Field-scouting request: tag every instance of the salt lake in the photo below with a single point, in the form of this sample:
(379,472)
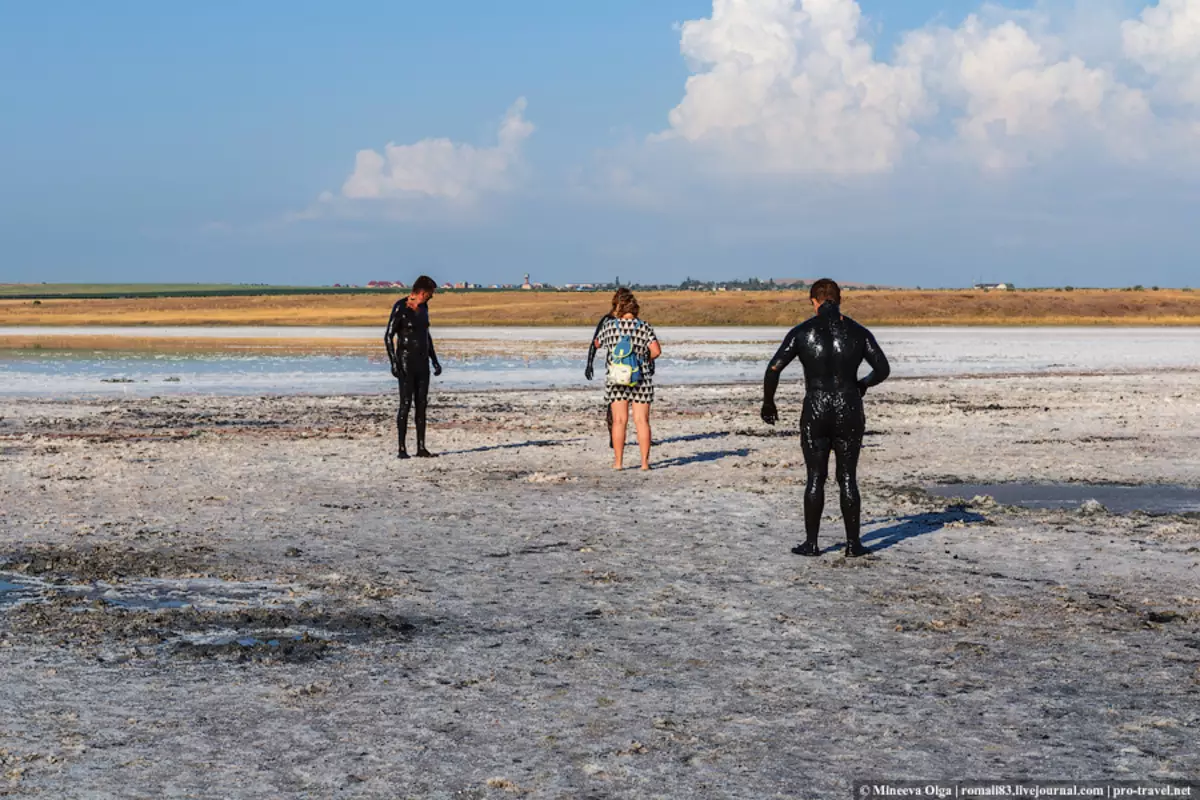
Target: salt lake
(282,360)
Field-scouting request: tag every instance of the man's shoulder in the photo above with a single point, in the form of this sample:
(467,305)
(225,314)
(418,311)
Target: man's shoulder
(804,327)
(857,327)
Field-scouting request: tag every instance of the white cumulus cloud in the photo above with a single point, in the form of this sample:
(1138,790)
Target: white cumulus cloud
(440,168)
(792,86)
(1013,97)
(1165,41)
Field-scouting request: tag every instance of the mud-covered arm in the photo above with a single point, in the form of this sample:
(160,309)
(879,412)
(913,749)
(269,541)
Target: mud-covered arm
(875,358)
(389,336)
(589,371)
(783,356)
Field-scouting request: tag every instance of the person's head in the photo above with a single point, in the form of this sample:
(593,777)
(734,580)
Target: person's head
(626,306)
(825,291)
(423,288)
(618,296)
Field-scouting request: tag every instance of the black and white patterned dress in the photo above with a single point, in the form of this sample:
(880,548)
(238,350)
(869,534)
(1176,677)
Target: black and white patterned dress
(640,334)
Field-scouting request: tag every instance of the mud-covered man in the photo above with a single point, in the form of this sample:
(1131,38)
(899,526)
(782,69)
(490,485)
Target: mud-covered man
(410,350)
(831,347)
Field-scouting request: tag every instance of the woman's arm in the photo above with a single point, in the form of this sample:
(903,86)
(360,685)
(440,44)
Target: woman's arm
(589,371)
(653,349)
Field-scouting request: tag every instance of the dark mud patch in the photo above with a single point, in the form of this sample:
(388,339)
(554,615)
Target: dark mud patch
(276,647)
(1155,499)
(970,408)
(281,634)
(109,562)
(768,433)
(913,495)
(171,419)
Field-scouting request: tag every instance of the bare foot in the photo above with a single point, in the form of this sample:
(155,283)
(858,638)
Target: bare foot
(618,465)
(646,467)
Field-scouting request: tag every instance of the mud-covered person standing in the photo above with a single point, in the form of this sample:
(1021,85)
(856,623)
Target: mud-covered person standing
(831,347)
(410,351)
(632,347)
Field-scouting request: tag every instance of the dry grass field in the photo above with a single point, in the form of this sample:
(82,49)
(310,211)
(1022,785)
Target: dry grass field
(892,307)
(195,344)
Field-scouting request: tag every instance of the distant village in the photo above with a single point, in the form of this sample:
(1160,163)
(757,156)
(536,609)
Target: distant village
(688,284)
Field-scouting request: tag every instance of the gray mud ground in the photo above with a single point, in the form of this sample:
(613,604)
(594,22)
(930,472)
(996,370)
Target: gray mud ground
(515,619)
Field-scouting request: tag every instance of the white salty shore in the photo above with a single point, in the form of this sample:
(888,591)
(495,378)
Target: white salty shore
(250,597)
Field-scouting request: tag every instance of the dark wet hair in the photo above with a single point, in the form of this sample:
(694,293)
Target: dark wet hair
(425,284)
(619,295)
(826,290)
(625,304)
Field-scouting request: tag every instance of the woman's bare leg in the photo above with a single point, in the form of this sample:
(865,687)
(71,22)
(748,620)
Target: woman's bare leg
(641,421)
(620,416)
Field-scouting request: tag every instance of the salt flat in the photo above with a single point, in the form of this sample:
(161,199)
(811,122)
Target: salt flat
(515,619)
(331,361)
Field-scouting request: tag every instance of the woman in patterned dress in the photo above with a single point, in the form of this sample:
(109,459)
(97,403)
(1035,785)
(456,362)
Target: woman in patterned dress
(641,335)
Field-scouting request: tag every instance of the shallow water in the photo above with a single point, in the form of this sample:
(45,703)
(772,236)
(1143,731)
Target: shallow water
(14,590)
(1151,498)
(483,358)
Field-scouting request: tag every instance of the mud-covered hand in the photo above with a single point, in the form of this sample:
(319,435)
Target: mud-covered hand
(769,413)
(437,369)
(862,388)
(589,371)
(397,370)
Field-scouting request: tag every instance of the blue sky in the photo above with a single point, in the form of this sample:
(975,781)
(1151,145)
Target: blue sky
(218,141)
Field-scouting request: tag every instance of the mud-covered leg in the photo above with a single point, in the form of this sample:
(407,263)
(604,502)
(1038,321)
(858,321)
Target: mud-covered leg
(847,451)
(421,399)
(816,461)
(402,418)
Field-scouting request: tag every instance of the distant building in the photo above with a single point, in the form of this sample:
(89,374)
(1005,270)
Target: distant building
(526,285)
(387,285)
(1003,287)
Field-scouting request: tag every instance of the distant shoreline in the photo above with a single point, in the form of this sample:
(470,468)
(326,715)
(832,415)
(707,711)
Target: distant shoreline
(892,308)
